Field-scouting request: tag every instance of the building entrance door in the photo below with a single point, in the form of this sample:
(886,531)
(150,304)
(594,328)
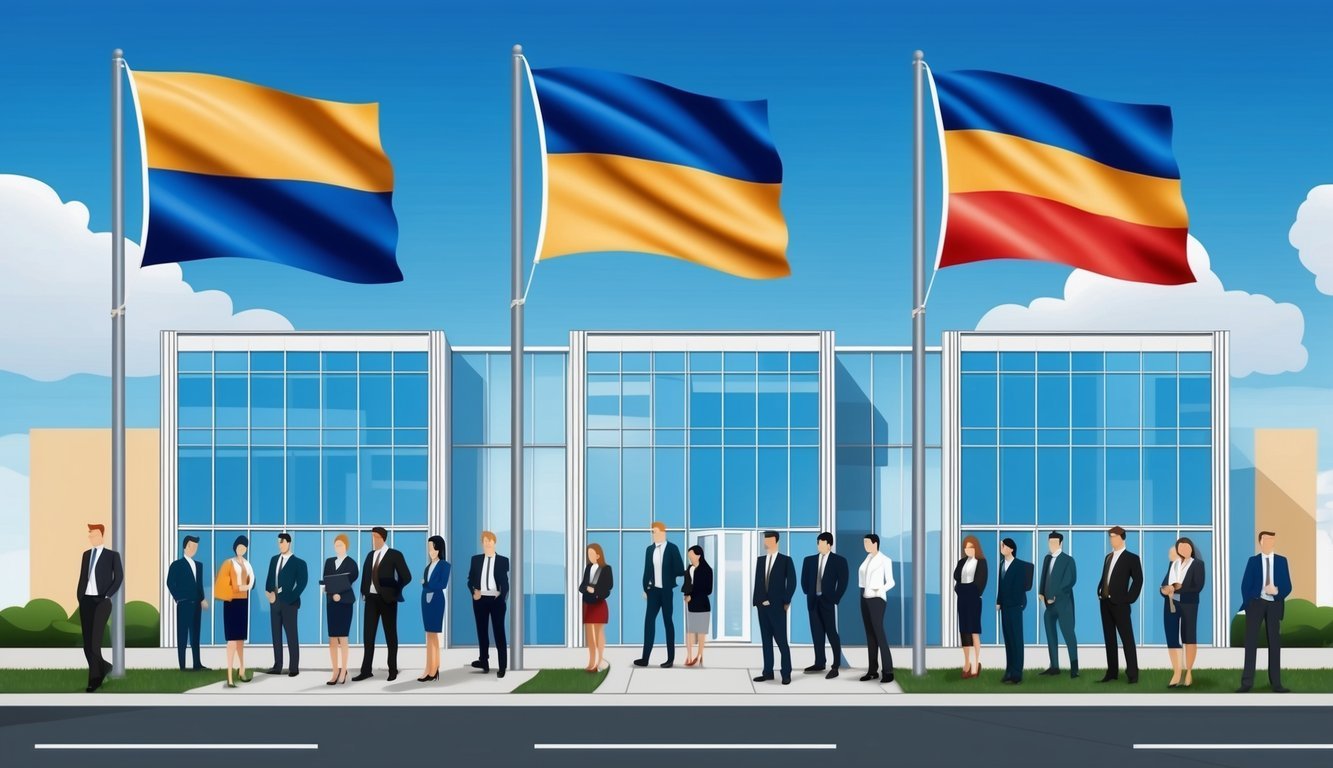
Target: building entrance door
(731,553)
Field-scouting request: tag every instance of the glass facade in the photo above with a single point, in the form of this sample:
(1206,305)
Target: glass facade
(1081,441)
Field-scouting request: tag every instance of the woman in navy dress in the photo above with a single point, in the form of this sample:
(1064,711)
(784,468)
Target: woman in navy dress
(969,577)
(433,584)
(338,606)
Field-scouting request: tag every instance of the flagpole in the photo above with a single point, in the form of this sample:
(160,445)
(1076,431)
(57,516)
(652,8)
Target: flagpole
(117,358)
(516,372)
(918,371)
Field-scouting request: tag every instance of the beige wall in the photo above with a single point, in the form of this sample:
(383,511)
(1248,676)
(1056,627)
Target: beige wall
(1286,473)
(70,486)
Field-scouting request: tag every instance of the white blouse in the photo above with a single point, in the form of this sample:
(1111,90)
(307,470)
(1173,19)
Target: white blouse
(1178,570)
(969,570)
(875,576)
(244,573)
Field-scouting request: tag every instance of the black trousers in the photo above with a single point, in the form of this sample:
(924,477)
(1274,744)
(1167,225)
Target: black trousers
(1011,625)
(1266,611)
(377,611)
(282,618)
(93,617)
(1115,619)
(773,628)
(492,610)
(824,621)
(872,613)
(663,600)
(188,620)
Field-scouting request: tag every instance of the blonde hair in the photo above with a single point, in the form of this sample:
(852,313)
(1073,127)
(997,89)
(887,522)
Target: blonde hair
(487,535)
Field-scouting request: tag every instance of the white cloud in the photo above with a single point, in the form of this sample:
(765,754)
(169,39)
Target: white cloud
(1312,235)
(13,537)
(55,292)
(1266,337)
(14,452)
(14,578)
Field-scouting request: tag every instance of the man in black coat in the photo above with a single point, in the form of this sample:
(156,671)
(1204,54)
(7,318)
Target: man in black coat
(824,580)
(488,581)
(384,575)
(1013,583)
(774,585)
(100,577)
(185,582)
(1117,590)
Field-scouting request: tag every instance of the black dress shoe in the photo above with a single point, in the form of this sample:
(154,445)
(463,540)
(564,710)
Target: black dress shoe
(1004,679)
(1108,678)
(1073,673)
(293,673)
(201,668)
(832,673)
(763,678)
(362,676)
(500,674)
(869,676)
(1050,671)
(482,665)
(667,664)
(1243,689)
(1280,689)
(273,671)
(640,662)
(786,681)
(887,678)
(1009,681)
(1133,681)
(810,670)
(393,675)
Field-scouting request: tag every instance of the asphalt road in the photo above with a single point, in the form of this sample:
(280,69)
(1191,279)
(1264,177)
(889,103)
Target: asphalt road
(495,737)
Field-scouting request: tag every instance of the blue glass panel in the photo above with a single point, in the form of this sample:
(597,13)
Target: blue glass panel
(979,393)
(669,487)
(773,362)
(268,495)
(411,436)
(231,361)
(603,401)
(603,491)
(673,436)
(376,487)
(980,486)
(1018,437)
(196,401)
(340,486)
(1196,486)
(266,361)
(340,361)
(187,362)
(1054,362)
(194,497)
(705,400)
(1122,400)
(804,437)
(1053,437)
(340,401)
(263,548)
(546,413)
(738,477)
(773,437)
(637,438)
(1122,361)
(1053,487)
(705,361)
(891,414)
(412,361)
(980,437)
(1159,361)
(1053,403)
(205,437)
(603,362)
(266,437)
(1159,437)
(376,437)
(705,487)
(669,361)
(1122,437)
(411,401)
(231,491)
(738,437)
(633,545)
(636,484)
(231,437)
(738,406)
(1194,436)
(468,395)
(705,437)
(466,493)
(303,437)
(1159,486)
(1122,485)
(302,486)
(804,399)
(739,362)
(1196,361)
(377,400)
(805,361)
(1088,400)
(302,361)
(411,473)
(1196,408)
(498,377)
(1159,400)
(266,401)
(302,400)
(773,487)
(1018,498)
(979,361)
(233,401)
(1087,437)
(1018,405)
(804,487)
(636,362)
(1018,361)
(933,388)
(636,404)
(1087,361)
(773,401)
(604,438)
(669,400)
(377,361)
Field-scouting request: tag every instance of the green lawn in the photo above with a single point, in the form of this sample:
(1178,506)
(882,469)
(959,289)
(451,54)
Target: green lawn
(563,681)
(1150,681)
(76,680)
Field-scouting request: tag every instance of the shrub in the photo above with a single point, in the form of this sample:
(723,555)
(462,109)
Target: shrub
(1304,625)
(43,624)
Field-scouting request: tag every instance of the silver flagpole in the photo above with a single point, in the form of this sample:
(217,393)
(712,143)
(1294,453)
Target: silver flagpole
(516,375)
(117,358)
(918,371)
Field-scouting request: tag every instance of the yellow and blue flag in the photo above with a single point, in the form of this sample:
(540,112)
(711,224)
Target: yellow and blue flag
(237,169)
(636,165)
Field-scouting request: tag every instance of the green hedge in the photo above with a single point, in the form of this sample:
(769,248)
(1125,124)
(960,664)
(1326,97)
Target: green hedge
(43,624)
(1304,625)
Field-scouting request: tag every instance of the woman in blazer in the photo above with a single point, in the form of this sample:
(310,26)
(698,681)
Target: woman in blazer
(1181,587)
(969,582)
(698,609)
(595,588)
(434,580)
(338,606)
(232,587)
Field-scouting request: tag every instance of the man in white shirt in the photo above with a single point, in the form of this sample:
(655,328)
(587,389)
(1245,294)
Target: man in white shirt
(383,577)
(662,565)
(774,585)
(1264,590)
(100,577)
(287,578)
(1118,590)
(488,580)
(875,578)
(824,581)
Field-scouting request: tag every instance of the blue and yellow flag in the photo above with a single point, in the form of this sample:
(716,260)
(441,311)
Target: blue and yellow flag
(237,169)
(635,165)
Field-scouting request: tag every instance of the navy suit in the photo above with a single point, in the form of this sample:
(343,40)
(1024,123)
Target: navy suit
(821,600)
(490,608)
(287,587)
(1270,612)
(661,598)
(1057,587)
(433,584)
(1013,583)
(186,587)
(774,586)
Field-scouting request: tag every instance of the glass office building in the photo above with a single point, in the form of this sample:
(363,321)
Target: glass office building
(1078,433)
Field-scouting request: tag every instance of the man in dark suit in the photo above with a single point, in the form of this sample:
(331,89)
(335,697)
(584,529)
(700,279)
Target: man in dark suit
(287,577)
(1264,589)
(383,577)
(488,581)
(100,577)
(662,565)
(774,585)
(185,582)
(1013,583)
(1117,591)
(1058,576)
(824,580)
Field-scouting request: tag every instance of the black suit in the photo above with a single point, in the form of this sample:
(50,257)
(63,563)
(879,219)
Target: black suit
(388,581)
(698,587)
(95,609)
(186,586)
(489,608)
(1013,583)
(821,600)
(1118,590)
(774,586)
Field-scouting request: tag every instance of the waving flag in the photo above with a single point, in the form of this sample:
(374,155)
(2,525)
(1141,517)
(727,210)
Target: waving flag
(1037,172)
(635,165)
(236,169)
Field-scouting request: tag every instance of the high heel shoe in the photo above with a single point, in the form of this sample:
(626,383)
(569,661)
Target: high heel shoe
(428,678)
(334,681)
(689,662)
(343,680)
(1189,679)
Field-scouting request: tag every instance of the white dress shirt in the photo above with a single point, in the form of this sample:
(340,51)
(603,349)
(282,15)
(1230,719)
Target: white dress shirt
(379,555)
(1054,556)
(1269,575)
(282,563)
(1106,586)
(1004,566)
(592,574)
(875,576)
(488,574)
(969,570)
(244,572)
(96,555)
(1178,570)
(659,551)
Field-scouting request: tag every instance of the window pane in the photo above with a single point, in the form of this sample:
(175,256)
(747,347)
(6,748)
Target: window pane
(1159,361)
(548,399)
(411,401)
(1018,361)
(340,490)
(376,487)
(669,487)
(668,400)
(1088,486)
(378,361)
(411,361)
(411,476)
(980,361)
(231,361)
(804,399)
(1122,486)
(266,398)
(635,362)
(196,401)
(603,489)
(636,402)
(340,361)
(669,361)
(603,401)
(1196,486)
(739,404)
(377,401)
(739,362)
(805,361)
(469,398)
(1053,486)
(267,494)
(498,377)
(1159,486)
(302,361)
(1088,400)
(1017,486)
(1122,400)
(805,487)
(979,393)
(1196,361)
(195,491)
(231,492)
(603,362)
(773,361)
(1122,361)
(773,404)
(1052,400)
(1018,405)
(233,401)
(738,510)
(194,361)
(980,486)
(1196,401)
(890,406)
(339,401)
(773,488)
(1055,362)
(705,361)
(636,483)
(705,400)
(705,487)
(303,400)
(1159,400)
(302,486)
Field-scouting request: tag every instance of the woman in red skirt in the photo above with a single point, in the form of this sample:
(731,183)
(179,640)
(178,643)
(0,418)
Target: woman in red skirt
(595,588)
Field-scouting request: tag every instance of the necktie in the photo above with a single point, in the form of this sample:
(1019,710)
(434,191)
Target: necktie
(277,577)
(375,571)
(92,563)
(1268,574)
(768,572)
(486,584)
(819,580)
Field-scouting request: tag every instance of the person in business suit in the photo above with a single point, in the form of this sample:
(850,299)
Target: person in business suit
(235,579)
(434,582)
(381,591)
(1181,585)
(969,583)
(185,583)
(100,578)
(824,580)
(875,579)
(1059,574)
(661,567)
(698,607)
(1117,591)
(1264,589)
(287,579)
(488,580)
(338,606)
(1012,584)
(594,588)
(774,585)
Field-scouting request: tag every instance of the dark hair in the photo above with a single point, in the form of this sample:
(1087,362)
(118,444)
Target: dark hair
(189,539)
(1057,536)
(1010,544)
(241,541)
(1194,551)
(874,539)
(284,536)
(438,543)
(1262,534)
(772,535)
(1117,531)
(698,550)
(826,536)
(383,532)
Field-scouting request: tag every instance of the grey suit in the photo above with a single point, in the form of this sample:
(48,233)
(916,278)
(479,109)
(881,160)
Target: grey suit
(1057,589)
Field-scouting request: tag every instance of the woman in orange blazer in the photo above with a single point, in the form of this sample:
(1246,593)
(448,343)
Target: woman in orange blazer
(232,587)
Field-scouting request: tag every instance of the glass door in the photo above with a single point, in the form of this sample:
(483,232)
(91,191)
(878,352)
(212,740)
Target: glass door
(731,553)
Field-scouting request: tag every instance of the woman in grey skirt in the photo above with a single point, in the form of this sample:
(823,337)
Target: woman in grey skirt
(698,609)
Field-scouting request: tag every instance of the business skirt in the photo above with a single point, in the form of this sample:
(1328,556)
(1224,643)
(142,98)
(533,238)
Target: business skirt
(432,613)
(236,618)
(596,613)
(698,623)
(340,617)
(969,611)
